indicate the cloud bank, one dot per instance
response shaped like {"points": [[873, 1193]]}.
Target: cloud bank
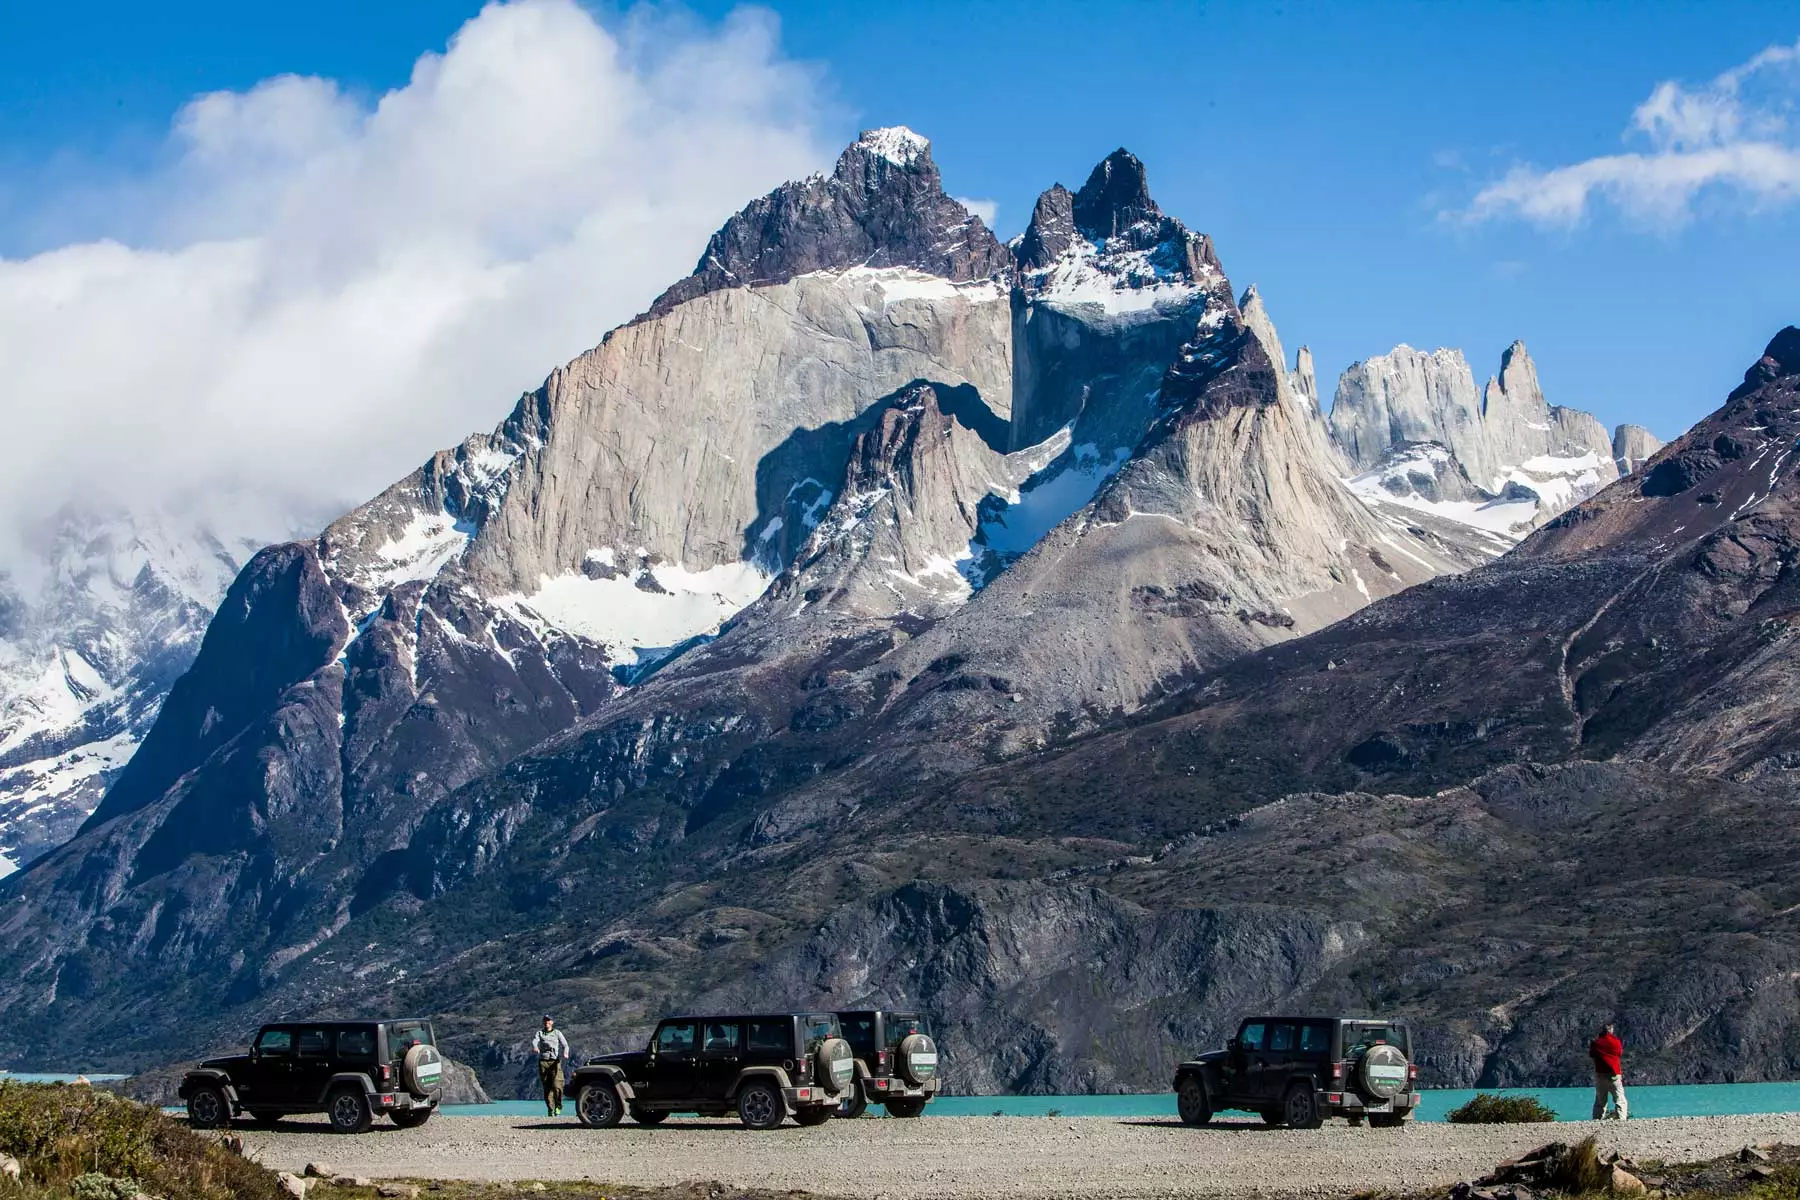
{"points": [[1729, 137], [323, 290]]}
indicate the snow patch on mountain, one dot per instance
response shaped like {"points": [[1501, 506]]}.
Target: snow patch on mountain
{"points": [[896, 143], [642, 614], [1411, 480], [429, 543], [1048, 498], [891, 285], [1117, 282]]}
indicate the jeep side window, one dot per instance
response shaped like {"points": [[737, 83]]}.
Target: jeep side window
{"points": [[676, 1039], [769, 1037], [721, 1037], [402, 1038], [1281, 1037], [275, 1043], [1315, 1038], [356, 1043], [315, 1043], [1251, 1037], [902, 1026]]}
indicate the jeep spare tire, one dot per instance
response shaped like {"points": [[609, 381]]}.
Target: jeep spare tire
{"points": [[918, 1059], [422, 1071], [1381, 1075], [836, 1066]]}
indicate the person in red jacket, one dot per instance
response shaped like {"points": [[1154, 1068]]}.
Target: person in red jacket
{"points": [[1608, 1053]]}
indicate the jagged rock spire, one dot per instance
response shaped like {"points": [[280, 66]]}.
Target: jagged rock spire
{"points": [[1115, 197], [883, 205]]}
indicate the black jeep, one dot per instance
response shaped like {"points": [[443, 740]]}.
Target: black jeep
{"points": [[764, 1067], [350, 1070], [1297, 1071], [896, 1062]]}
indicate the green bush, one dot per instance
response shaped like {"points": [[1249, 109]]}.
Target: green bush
{"points": [[88, 1143], [1488, 1109]]}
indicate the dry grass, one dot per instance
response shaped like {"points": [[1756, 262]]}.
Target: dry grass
{"points": [[87, 1143]]}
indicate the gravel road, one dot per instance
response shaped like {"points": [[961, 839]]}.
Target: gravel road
{"points": [[989, 1158]]}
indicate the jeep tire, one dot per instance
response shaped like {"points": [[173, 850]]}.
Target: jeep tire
{"points": [[348, 1109], [835, 1068], [649, 1116], [1381, 1073], [760, 1106], [1393, 1120], [1300, 1107], [814, 1116], [917, 1059], [422, 1071], [855, 1102], [906, 1106], [411, 1118], [1192, 1102], [598, 1104], [207, 1109]]}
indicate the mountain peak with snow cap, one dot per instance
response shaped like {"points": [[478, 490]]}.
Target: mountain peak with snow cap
{"points": [[896, 143], [883, 205]]}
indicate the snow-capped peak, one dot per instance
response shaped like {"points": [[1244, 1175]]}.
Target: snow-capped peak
{"points": [[896, 143]]}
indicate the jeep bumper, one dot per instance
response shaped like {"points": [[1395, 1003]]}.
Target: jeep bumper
{"points": [[1356, 1105], [882, 1087], [807, 1097], [384, 1102]]}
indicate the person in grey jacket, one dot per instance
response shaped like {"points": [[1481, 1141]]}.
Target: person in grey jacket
{"points": [[552, 1050]]}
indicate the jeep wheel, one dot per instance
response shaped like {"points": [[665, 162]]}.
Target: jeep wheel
{"points": [[918, 1059], [906, 1106], [1192, 1101], [598, 1105], [1393, 1120], [349, 1111], [206, 1108], [412, 1118], [649, 1116], [422, 1070], [836, 1066], [1300, 1108], [814, 1116], [760, 1106], [854, 1104]]}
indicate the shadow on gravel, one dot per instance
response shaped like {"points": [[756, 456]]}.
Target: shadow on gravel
{"points": [[1213, 1127]]}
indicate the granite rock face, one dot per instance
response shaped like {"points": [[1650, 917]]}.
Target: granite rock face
{"points": [[1633, 446]]}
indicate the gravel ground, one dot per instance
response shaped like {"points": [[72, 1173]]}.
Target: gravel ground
{"points": [[985, 1158]]}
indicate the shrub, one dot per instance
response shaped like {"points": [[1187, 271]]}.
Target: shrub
{"points": [[81, 1141], [1579, 1170], [1488, 1109]]}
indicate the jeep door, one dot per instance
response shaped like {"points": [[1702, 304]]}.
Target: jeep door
{"points": [[721, 1058], [271, 1069], [1247, 1066], [313, 1064], [1282, 1059], [673, 1073]]}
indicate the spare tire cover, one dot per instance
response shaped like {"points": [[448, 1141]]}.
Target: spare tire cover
{"points": [[422, 1070], [836, 1065], [1381, 1075], [918, 1059]]}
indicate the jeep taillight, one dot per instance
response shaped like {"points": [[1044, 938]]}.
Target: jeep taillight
{"points": [[881, 1061], [387, 1074], [1412, 1072], [1337, 1070]]}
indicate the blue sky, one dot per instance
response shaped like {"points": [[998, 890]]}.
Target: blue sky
{"points": [[1333, 152]]}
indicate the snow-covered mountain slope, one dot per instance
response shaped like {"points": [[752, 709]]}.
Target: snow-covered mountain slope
{"points": [[1416, 433], [98, 617]]}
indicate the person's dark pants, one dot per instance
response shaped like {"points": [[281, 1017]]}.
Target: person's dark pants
{"points": [[551, 1076]]}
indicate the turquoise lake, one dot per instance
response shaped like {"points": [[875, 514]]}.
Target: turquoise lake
{"points": [[1570, 1104]]}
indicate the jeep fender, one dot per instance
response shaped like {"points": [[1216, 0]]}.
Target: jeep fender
{"points": [[774, 1075], [355, 1079], [586, 1075], [212, 1078], [1208, 1073], [862, 1070]]}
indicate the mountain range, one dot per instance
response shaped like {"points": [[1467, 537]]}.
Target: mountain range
{"points": [[892, 614]]}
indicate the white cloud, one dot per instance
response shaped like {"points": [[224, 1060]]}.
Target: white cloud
{"points": [[1729, 136], [322, 291], [987, 210]]}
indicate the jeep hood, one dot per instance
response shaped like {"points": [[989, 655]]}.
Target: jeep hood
{"points": [[225, 1062], [624, 1058]]}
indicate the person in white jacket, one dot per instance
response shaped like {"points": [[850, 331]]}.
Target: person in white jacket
{"points": [[552, 1050]]}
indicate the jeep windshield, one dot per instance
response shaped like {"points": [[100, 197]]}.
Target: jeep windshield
{"points": [[404, 1035], [1359, 1035], [819, 1028]]}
